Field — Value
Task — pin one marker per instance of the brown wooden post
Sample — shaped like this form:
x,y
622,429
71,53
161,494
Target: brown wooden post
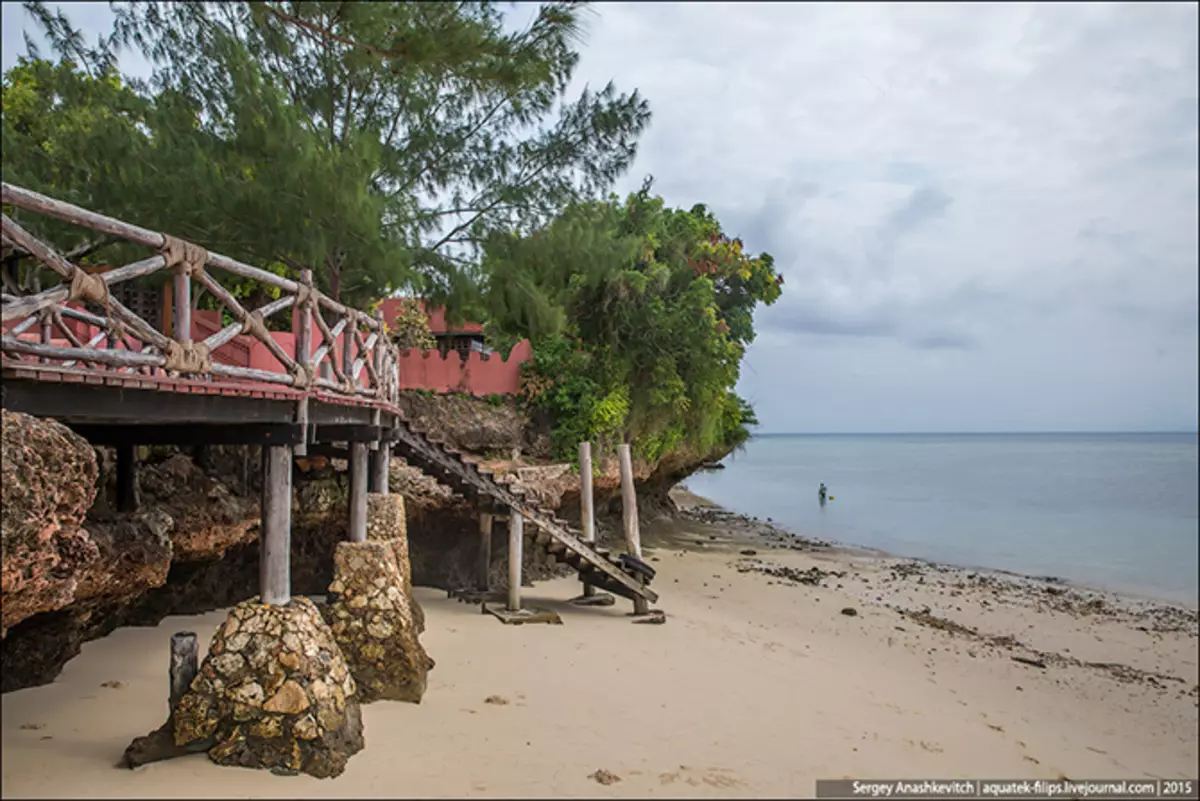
x,y
516,540
358,491
127,500
302,324
380,465
47,332
185,663
348,350
483,567
275,539
181,317
587,513
633,535
380,355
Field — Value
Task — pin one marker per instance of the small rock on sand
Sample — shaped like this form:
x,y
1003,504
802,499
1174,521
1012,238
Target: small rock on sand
x,y
605,777
850,611
496,700
115,684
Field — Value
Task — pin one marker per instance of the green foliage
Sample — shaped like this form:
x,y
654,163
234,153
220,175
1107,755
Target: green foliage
x,y
495,399
377,144
639,317
410,329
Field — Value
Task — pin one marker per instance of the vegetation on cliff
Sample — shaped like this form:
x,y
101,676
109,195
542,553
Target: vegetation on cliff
x,y
639,315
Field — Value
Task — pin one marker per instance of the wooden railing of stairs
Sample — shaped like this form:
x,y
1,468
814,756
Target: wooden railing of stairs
x,y
622,574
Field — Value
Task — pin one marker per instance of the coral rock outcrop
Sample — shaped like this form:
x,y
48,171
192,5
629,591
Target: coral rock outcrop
x,y
274,692
48,483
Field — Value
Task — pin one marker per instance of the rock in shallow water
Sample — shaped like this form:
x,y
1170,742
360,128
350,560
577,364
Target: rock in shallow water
x,y
274,692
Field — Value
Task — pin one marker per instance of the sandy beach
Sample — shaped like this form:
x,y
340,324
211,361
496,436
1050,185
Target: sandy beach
x,y
780,662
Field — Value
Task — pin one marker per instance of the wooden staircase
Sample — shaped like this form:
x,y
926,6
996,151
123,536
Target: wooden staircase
x,y
552,536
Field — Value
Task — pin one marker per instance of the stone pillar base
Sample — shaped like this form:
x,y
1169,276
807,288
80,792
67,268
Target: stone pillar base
x,y
373,623
273,692
386,522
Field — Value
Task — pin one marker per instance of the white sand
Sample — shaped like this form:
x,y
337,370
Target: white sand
x,y
750,689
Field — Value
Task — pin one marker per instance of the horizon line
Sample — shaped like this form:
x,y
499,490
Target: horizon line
x,y
964,433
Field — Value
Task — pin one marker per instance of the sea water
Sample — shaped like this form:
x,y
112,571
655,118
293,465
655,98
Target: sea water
x,y
1111,511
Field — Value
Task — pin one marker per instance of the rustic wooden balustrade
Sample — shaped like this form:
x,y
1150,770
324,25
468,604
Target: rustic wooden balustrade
x,y
127,343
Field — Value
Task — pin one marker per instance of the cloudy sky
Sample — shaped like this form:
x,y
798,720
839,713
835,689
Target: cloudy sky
x,y
986,215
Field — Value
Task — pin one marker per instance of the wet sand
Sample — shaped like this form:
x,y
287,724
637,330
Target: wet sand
x,y
780,662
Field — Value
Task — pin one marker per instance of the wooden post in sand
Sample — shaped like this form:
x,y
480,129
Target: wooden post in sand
x,y
185,662
516,538
485,552
275,538
587,514
160,743
633,535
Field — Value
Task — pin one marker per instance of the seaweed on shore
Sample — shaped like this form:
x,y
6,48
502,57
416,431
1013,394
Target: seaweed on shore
x,y
812,577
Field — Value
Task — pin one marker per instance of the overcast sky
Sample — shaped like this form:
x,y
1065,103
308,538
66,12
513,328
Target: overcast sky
x,y
986,215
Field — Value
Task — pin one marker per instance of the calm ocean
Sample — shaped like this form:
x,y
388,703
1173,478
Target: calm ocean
x,y
1111,511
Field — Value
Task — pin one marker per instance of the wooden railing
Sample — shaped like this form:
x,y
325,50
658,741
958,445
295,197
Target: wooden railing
x,y
364,366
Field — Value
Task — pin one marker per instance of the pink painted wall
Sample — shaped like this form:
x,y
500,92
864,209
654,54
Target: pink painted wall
x,y
476,375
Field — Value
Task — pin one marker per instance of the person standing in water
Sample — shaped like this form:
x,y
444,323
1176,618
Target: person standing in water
x,y
821,493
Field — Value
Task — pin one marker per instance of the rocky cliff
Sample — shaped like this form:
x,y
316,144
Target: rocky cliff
x,y
75,569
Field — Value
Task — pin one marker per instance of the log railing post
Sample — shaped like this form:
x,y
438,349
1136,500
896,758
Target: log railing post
x,y
275,540
484,563
358,491
380,357
587,514
181,317
516,540
348,351
302,324
46,331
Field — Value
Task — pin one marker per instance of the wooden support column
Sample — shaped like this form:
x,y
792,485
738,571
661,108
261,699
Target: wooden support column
x,y
516,541
127,500
380,466
358,491
484,563
587,514
275,538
